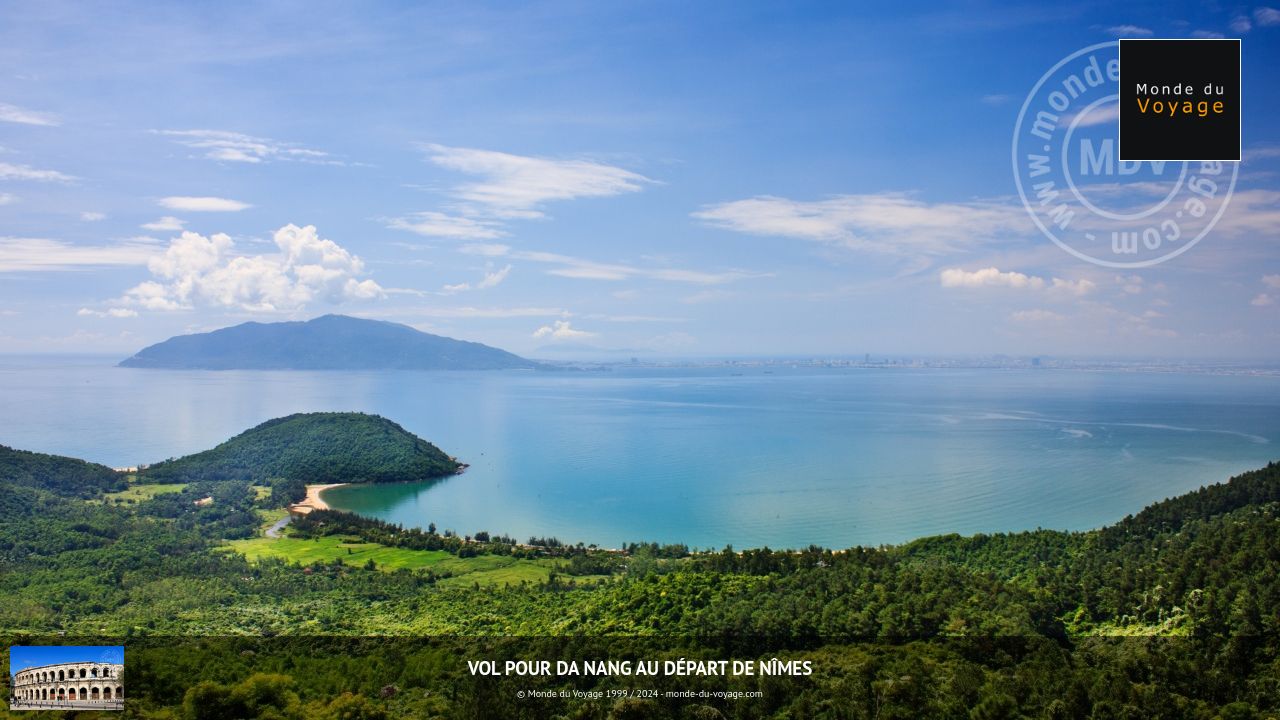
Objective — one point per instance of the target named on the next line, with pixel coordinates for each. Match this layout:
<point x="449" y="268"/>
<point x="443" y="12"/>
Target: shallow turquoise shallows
<point x="707" y="457"/>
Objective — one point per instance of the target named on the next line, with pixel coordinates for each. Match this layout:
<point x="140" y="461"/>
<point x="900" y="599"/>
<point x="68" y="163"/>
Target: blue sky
<point x="568" y="178"/>
<point x="22" y="657"/>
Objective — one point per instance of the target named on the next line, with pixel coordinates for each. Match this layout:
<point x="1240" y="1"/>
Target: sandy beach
<point x="313" y="501"/>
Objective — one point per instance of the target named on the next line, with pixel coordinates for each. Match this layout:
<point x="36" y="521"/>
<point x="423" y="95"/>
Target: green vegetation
<point x="1171" y="613"/>
<point x="137" y="493"/>
<point x="483" y="569"/>
<point x="306" y="448"/>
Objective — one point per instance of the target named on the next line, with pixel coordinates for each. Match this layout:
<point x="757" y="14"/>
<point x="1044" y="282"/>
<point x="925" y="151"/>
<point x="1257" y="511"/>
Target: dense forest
<point x="1171" y="613"/>
<point x="330" y="447"/>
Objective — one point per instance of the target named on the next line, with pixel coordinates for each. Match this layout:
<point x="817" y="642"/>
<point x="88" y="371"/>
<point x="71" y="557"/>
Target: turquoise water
<point x="705" y="456"/>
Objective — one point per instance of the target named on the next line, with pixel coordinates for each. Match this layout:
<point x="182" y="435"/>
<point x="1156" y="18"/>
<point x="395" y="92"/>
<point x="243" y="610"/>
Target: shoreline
<point x="313" y="501"/>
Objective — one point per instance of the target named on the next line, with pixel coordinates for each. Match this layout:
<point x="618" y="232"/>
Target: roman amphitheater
<point x="70" y="686"/>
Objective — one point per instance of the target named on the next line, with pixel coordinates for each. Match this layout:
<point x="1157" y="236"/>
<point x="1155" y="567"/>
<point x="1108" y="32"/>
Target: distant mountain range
<point x="330" y="342"/>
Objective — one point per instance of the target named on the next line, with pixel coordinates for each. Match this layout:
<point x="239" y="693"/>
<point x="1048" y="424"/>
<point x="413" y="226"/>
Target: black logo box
<point x="1182" y="65"/>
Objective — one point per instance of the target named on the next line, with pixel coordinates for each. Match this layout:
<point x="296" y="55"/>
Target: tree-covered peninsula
<point x="311" y="448"/>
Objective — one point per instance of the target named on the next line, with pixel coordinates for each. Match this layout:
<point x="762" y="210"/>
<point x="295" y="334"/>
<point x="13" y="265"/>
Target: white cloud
<point x="437" y="224"/>
<point x="880" y="222"/>
<point x="202" y="204"/>
<point x="237" y="147"/>
<point x="1105" y="114"/>
<point x="1251" y="211"/>
<point x="489" y="313"/>
<point x="1271" y="281"/>
<point x="115" y="312"/>
<point x="994" y="277"/>
<point x="1130" y="31"/>
<point x="1131" y="284"/>
<point x="24" y="172"/>
<point x="1072" y="287"/>
<point x="485" y="249"/>
<point x="1036" y="317"/>
<point x="7" y="199"/>
<point x="995" y="99"/>
<point x="1262" y="300"/>
<point x="579" y="268"/>
<point x="491" y="278"/>
<point x="561" y="330"/>
<point x="1207" y="35"/>
<point x="15" y="114"/>
<point x="1266" y="16"/>
<point x="1262" y="152"/>
<point x="988" y="277"/>
<point x="198" y="270"/>
<point x="92" y="216"/>
<point x="42" y="255"/>
<point x="168" y="223"/>
<point x="515" y="186"/>
<point x="1240" y="24"/>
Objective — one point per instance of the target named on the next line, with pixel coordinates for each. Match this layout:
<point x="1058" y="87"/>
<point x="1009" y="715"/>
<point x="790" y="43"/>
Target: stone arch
<point x="95" y="694"/>
<point x="81" y="672"/>
<point x="84" y="694"/>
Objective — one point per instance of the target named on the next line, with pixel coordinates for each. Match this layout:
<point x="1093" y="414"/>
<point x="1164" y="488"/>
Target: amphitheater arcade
<point x="69" y="685"/>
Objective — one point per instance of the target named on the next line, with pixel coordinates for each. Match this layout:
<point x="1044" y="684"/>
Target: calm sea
<point x="706" y="457"/>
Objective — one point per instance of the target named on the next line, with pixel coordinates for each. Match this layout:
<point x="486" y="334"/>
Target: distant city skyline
<point x="563" y="179"/>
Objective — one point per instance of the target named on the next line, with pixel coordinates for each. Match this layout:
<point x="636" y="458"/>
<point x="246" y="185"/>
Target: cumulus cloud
<point x="6" y="199"/>
<point x="168" y="223"/>
<point x="23" y="172"/>
<point x="199" y="270"/>
<point x="43" y="255"/>
<point x="237" y="147"/>
<point x="1207" y="35"/>
<point x="92" y="216"/>
<point x="1271" y="281"/>
<point x="15" y="114"/>
<point x="1262" y="300"/>
<point x="994" y="277"/>
<point x="561" y="330"/>
<point x="1240" y="24"/>
<point x="879" y="222"/>
<point x="202" y="204"/>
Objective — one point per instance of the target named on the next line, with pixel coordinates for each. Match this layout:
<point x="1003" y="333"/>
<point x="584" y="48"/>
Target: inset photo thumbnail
<point x="66" y="677"/>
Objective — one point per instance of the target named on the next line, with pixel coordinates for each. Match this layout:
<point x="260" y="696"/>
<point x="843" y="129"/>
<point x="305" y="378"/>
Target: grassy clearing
<point x="140" y="493"/>
<point x="484" y="569"/>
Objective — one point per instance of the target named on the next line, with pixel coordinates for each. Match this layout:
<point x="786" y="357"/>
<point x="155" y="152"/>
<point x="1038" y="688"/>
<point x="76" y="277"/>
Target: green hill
<point x="61" y="475"/>
<point x="328" y="447"/>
